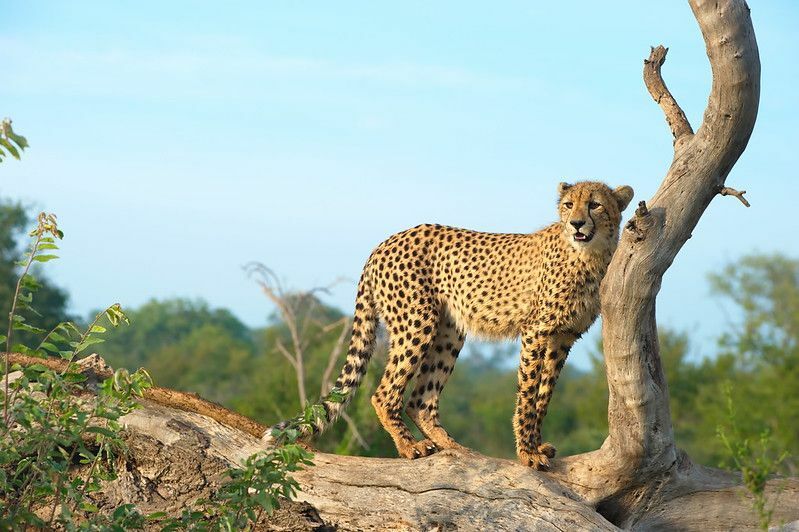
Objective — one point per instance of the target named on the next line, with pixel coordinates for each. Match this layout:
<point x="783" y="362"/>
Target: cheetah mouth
<point x="582" y="237"/>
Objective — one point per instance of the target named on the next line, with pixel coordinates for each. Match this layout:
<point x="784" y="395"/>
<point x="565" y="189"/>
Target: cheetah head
<point x="590" y="213"/>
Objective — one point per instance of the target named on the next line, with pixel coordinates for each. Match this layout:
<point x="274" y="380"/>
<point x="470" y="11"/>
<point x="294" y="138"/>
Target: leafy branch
<point x="9" y="141"/>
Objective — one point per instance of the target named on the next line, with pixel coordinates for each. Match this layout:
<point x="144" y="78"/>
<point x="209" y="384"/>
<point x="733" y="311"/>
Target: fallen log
<point x="179" y="445"/>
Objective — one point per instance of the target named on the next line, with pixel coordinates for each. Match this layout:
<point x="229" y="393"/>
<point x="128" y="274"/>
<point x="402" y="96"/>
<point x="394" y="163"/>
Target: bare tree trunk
<point x="639" y="454"/>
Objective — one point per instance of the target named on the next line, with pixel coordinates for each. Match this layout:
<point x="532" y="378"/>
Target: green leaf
<point x="116" y="315"/>
<point x="88" y="507"/>
<point x="102" y="431"/>
<point x="19" y="326"/>
<point x="47" y="346"/>
<point x="75" y="377"/>
<point x="87" y="342"/>
<point x="19" y="140"/>
<point x="10" y="147"/>
<point x="28" y="281"/>
<point x="44" y="258"/>
<point x="97" y="329"/>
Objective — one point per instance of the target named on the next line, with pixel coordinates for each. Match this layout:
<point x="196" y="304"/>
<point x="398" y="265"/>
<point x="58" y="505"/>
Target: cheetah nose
<point x="577" y="223"/>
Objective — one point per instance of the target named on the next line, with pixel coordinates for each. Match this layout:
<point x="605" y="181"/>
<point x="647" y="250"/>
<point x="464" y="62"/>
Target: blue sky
<point x="178" y="141"/>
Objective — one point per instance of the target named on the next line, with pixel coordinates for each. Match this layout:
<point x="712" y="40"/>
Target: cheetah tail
<point x="362" y="342"/>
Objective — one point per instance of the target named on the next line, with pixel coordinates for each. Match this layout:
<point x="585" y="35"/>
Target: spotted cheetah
<point x="432" y="285"/>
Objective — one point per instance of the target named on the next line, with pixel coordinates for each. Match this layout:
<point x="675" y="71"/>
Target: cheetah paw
<point x="547" y="449"/>
<point x="418" y="449"/>
<point x="537" y="460"/>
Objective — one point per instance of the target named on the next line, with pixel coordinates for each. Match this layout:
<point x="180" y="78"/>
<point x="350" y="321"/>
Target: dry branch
<point x="660" y="93"/>
<point x="728" y="191"/>
<point x="296" y="311"/>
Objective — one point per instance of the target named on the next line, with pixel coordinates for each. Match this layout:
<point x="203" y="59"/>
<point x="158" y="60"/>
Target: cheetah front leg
<point x="558" y="346"/>
<point x="542" y="357"/>
<point x="524" y="418"/>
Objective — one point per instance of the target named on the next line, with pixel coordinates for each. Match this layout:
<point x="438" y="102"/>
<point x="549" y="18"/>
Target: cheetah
<point x="432" y="285"/>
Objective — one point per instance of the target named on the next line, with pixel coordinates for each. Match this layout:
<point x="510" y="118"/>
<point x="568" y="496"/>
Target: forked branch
<point x="660" y="93"/>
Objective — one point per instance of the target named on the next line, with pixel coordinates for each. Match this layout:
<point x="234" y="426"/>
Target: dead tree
<point x="297" y="312"/>
<point x="640" y="454"/>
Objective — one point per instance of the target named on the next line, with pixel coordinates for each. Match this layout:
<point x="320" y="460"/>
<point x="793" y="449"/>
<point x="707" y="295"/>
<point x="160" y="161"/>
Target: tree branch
<point x="728" y="191"/>
<point x="355" y="432"/>
<point x="660" y="93"/>
<point x="285" y="352"/>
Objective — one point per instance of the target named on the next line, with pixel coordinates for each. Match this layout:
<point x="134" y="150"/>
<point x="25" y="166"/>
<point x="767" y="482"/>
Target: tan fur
<point x="432" y="285"/>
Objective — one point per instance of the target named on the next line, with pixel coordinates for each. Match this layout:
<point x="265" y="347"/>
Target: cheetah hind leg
<point x="431" y="377"/>
<point x="404" y="358"/>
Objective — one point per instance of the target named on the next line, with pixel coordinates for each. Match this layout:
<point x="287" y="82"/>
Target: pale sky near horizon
<point x="178" y="141"/>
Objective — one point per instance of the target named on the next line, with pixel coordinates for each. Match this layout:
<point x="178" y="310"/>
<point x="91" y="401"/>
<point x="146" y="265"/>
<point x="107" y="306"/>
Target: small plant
<point x="47" y="428"/>
<point x="756" y="460"/>
<point x="9" y="141"/>
<point x="56" y="447"/>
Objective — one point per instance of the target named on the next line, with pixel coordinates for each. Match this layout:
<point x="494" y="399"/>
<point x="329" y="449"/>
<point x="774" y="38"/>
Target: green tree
<point x="209" y="361"/>
<point x="185" y="345"/>
<point x="760" y="354"/>
<point x="160" y="324"/>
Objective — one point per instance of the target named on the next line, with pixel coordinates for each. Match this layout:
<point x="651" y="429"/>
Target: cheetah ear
<point x="562" y="188"/>
<point x="623" y="196"/>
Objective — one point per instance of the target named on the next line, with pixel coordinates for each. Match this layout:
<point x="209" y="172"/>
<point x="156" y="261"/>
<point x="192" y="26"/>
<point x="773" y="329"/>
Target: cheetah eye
<point x="594" y="205"/>
<point x="568" y="204"/>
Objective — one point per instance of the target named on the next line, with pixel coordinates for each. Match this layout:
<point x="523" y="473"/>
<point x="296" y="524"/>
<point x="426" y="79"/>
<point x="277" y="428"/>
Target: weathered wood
<point x="179" y="454"/>
<point x="640" y="456"/>
<point x="653" y="80"/>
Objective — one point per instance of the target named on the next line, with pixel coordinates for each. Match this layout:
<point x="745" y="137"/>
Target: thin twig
<point x="334" y="353"/>
<point x="727" y="191"/>
<point x="285" y="353"/>
<point x="354" y="428"/>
